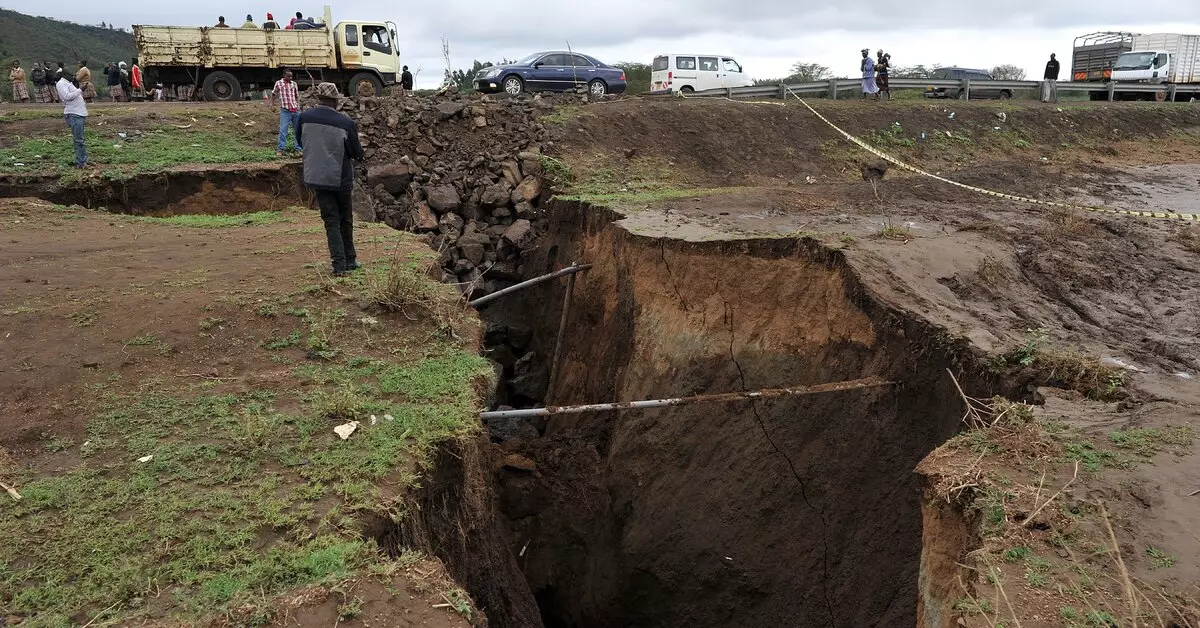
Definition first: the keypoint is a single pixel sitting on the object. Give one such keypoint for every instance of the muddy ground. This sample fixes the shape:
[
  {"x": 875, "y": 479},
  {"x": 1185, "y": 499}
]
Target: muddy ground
[{"x": 744, "y": 249}]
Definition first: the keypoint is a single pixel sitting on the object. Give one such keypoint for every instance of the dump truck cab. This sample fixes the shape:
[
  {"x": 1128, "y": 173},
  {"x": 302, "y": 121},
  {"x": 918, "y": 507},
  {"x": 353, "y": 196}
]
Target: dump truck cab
[{"x": 368, "y": 47}]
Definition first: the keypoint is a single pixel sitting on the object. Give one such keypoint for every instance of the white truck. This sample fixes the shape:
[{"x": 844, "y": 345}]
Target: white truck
[
  {"x": 1167, "y": 59},
  {"x": 224, "y": 63}
]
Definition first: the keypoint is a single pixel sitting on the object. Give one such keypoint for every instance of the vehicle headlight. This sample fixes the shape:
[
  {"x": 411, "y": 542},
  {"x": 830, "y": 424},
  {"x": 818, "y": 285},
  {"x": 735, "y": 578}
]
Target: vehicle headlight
[{"x": 489, "y": 72}]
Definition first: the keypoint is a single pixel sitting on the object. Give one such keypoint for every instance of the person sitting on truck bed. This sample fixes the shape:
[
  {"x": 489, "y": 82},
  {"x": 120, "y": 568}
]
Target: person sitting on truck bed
[
  {"x": 270, "y": 24},
  {"x": 250, "y": 23},
  {"x": 221, "y": 22}
]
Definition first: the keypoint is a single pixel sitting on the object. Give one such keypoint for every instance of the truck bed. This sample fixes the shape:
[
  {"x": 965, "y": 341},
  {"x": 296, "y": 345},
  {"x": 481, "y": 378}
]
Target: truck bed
[
  {"x": 1184, "y": 48},
  {"x": 234, "y": 47}
]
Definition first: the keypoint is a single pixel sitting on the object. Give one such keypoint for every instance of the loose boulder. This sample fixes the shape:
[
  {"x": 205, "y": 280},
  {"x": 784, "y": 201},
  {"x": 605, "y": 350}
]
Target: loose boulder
[{"x": 443, "y": 198}]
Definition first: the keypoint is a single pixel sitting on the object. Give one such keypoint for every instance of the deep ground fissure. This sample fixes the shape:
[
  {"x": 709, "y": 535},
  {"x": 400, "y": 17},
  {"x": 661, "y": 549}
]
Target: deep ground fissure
[{"x": 793, "y": 511}]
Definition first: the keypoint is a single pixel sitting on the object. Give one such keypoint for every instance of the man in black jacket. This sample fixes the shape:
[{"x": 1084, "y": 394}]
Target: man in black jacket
[
  {"x": 406, "y": 82},
  {"x": 330, "y": 144},
  {"x": 1050, "y": 84}
]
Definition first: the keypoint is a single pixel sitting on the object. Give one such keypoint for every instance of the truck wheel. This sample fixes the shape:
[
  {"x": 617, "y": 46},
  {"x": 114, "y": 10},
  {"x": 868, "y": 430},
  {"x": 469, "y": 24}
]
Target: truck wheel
[
  {"x": 365, "y": 85},
  {"x": 222, "y": 86},
  {"x": 1005, "y": 95},
  {"x": 1160, "y": 95}
]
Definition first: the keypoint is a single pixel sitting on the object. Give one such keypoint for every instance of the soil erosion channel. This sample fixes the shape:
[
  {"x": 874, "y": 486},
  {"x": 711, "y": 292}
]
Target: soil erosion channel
[{"x": 792, "y": 511}]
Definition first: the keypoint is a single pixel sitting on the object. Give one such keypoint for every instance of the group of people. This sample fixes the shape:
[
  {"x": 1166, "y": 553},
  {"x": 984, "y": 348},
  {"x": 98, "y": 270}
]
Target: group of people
[
  {"x": 122, "y": 82},
  {"x": 875, "y": 74},
  {"x": 297, "y": 23}
]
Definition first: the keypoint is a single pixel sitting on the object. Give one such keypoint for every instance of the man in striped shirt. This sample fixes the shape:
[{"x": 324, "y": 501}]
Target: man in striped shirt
[{"x": 287, "y": 95}]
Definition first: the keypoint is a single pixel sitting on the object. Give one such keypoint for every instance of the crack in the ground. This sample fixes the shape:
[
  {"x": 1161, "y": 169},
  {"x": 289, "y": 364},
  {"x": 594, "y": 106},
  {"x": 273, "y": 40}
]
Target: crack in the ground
[
  {"x": 662, "y": 253},
  {"x": 796, "y": 474}
]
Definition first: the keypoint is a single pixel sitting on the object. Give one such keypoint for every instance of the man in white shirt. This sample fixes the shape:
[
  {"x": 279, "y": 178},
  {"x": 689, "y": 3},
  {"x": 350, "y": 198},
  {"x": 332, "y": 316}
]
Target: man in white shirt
[{"x": 75, "y": 110}]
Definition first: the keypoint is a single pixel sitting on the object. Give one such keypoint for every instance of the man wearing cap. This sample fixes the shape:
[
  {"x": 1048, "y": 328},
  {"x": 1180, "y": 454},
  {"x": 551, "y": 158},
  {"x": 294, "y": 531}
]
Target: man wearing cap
[{"x": 330, "y": 145}]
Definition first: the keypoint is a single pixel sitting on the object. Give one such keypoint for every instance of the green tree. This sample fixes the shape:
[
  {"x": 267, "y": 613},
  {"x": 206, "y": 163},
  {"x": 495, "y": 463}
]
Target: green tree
[
  {"x": 464, "y": 80},
  {"x": 637, "y": 75},
  {"x": 914, "y": 71},
  {"x": 801, "y": 73},
  {"x": 1008, "y": 72}
]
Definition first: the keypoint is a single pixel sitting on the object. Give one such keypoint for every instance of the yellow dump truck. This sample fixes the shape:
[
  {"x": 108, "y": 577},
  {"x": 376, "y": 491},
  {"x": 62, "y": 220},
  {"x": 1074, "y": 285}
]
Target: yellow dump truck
[{"x": 223, "y": 64}]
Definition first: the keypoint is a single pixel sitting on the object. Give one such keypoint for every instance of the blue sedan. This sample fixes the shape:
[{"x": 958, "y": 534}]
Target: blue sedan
[{"x": 552, "y": 72}]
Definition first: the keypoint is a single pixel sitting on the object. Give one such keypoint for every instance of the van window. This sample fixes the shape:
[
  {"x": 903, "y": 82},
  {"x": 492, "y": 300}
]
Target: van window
[
  {"x": 685, "y": 63},
  {"x": 708, "y": 64},
  {"x": 1161, "y": 60},
  {"x": 661, "y": 63},
  {"x": 351, "y": 35},
  {"x": 979, "y": 76},
  {"x": 731, "y": 66}
]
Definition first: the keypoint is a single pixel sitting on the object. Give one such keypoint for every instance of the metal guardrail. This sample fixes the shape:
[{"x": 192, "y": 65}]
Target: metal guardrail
[{"x": 832, "y": 87}]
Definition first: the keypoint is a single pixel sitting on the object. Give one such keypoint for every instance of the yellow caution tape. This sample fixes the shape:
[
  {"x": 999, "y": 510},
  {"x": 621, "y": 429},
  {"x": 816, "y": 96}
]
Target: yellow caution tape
[{"x": 1011, "y": 197}]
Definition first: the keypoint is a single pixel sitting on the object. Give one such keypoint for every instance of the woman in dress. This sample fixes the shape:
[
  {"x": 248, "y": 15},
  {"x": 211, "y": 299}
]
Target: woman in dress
[{"x": 84, "y": 80}]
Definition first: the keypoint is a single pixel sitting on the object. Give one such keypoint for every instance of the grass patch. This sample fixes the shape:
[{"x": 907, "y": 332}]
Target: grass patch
[
  {"x": 1064, "y": 368},
  {"x": 240, "y": 500},
  {"x": 563, "y": 114},
  {"x": 215, "y": 221},
  {"x": 1159, "y": 559},
  {"x": 138, "y": 152},
  {"x": 1148, "y": 441}
]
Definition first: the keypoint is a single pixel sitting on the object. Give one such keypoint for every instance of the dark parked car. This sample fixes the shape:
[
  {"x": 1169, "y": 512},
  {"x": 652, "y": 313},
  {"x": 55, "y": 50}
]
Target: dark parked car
[
  {"x": 552, "y": 72},
  {"x": 958, "y": 74}
]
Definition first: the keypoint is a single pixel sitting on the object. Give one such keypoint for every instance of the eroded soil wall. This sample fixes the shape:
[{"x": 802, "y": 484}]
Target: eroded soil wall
[
  {"x": 223, "y": 190},
  {"x": 802, "y": 511}
]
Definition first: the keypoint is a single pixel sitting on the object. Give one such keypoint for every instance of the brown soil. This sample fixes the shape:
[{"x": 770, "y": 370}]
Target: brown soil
[
  {"x": 1108, "y": 290},
  {"x": 76, "y": 286}
]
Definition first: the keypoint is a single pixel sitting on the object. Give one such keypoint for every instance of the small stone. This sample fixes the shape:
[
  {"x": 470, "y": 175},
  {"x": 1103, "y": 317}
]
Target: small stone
[
  {"x": 472, "y": 252},
  {"x": 511, "y": 428},
  {"x": 424, "y": 218},
  {"x": 394, "y": 177},
  {"x": 517, "y": 462},
  {"x": 443, "y": 198},
  {"x": 425, "y": 148},
  {"x": 479, "y": 122},
  {"x": 519, "y": 233},
  {"x": 530, "y": 189},
  {"x": 450, "y": 109}
]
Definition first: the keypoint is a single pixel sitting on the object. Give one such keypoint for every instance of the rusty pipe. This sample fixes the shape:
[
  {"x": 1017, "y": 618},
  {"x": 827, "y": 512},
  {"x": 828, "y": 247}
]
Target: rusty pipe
[{"x": 768, "y": 393}]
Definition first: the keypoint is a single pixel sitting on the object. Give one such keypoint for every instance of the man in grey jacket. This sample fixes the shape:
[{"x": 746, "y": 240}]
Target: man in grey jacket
[{"x": 330, "y": 144}]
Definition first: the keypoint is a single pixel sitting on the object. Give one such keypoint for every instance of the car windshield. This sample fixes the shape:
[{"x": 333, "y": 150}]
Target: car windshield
[
  {"x": 1134, "y": 61},
  {"x": 530, "y": 59}
]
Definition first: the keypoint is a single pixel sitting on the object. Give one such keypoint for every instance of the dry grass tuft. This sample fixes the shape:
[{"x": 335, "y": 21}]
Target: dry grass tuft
[
  {"x": 407, "y": 284},
  {"x": 992, "y": 272}
]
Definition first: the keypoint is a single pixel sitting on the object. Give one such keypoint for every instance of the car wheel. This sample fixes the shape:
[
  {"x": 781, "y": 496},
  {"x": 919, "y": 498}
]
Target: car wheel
[
  {"x": 1005, "y": 95},
  {"x": 221, "y": 86},
  {"x": 597, "y": 88},
  {"x": 513, "y": 85}
]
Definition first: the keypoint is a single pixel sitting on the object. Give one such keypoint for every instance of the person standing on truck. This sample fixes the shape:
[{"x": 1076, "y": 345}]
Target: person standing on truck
[
  {"x": 332, "y": 140},
  {"x": 75, "y": 111},
  {"x": 406, "y": 83},
  {"x": 287, "y": 95},
  {"x": 1050, "y": 80},
  {"x": 868, "y": 75},
  {"x": 83, "y": 80},
  {"x": 250, "y": 23},
  {"x": 20, "y": 91}
]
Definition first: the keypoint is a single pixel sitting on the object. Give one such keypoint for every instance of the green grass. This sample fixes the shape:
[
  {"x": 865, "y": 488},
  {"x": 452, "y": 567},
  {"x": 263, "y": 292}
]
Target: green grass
[
  {"x": 1148, "y": 441},
  {"x": 1159, "y": 559},
  {"x": 564, "y": 113},
  {"x": 221, "y": 221},
  {"x": 147, "y": 152},
  {"x": 241, "y": 499}
]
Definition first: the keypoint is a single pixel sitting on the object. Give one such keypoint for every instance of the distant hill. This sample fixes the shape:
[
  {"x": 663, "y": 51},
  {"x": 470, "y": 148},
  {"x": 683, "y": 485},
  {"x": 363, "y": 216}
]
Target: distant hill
[{"x": 29, "y": 39}]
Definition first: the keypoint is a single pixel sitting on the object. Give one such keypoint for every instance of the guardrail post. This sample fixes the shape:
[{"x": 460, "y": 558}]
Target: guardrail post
[
  {"x": 1171, "y": 92},
  {"x": 782, "y": 91},
  {"x": 1112, "y": 91},
  {"x": 833, "y": 89},
  {"x": 966, "y": 88}
]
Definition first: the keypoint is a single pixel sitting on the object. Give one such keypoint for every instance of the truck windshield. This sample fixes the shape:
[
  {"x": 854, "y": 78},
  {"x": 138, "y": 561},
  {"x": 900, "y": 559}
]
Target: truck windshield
[{"x": 1134, "y": 61}]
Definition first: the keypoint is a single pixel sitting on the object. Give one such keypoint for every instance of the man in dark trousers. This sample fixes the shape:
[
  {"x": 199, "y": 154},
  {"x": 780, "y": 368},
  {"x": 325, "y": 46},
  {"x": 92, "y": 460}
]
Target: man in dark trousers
[
  {"x": 1050, "y": 83},
  {"x": 330, "y": 145},
  {"x": 406, "y": 83}
]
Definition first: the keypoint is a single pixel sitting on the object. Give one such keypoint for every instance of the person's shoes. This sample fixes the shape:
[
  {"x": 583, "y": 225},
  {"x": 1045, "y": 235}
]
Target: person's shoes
[{"x": 352, "y": 266}]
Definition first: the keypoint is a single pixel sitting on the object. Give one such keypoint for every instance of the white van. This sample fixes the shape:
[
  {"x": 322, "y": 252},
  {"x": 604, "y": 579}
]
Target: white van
[{"x": 695, "y": 73}]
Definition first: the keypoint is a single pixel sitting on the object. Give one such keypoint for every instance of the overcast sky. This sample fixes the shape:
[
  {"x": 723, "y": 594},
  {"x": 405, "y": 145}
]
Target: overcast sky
[{"x": 766, "y": 36}]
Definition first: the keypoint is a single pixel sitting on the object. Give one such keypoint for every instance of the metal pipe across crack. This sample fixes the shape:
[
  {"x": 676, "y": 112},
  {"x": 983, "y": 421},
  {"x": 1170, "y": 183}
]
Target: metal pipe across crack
[{"x": 768, "y": 393}]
